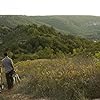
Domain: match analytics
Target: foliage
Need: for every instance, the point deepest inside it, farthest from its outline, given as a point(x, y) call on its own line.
point(44, 42)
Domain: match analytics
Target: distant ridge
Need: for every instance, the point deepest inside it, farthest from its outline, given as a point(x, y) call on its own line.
point(87, 26)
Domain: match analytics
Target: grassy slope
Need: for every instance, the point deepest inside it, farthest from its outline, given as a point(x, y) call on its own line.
point(14, 20)
point(71, 79)
point(81, 25)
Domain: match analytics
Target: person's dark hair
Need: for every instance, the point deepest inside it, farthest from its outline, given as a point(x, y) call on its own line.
point(5, 54)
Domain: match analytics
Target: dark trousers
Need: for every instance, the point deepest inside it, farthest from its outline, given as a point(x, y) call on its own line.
point(9, 79)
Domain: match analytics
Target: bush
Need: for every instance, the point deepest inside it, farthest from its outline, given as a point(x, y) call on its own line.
point(24, 57)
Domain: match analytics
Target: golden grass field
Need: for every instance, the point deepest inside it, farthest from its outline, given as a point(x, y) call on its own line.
point(76, 78)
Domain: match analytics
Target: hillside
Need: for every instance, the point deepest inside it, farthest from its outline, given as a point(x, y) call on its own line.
point(76, 78)
point(52, 65)
point(86, 26)
point(33, 41)
point(73, 24)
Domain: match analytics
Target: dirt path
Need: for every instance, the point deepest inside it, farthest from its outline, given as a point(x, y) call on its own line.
point(9, 96)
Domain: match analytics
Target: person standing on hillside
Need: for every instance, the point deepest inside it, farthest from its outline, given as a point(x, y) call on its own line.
point(7, 63)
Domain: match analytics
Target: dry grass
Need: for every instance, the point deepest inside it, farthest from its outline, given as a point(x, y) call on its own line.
point(59, 79)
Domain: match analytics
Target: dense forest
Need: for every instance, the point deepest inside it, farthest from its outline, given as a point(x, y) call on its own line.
point(33, 41)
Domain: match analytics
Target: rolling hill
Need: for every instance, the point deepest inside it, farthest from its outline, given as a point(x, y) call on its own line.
point(86, 26)
point(52, 65)
point(38, 34)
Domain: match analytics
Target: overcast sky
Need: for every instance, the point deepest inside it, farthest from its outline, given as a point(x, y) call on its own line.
point(50, 7)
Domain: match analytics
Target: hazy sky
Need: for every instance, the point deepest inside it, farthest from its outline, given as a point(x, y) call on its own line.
point(50, 7)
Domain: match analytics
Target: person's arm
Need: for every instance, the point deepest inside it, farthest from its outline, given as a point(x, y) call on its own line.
point(12, 64)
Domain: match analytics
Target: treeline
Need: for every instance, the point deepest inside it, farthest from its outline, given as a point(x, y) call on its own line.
point(32, 41)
